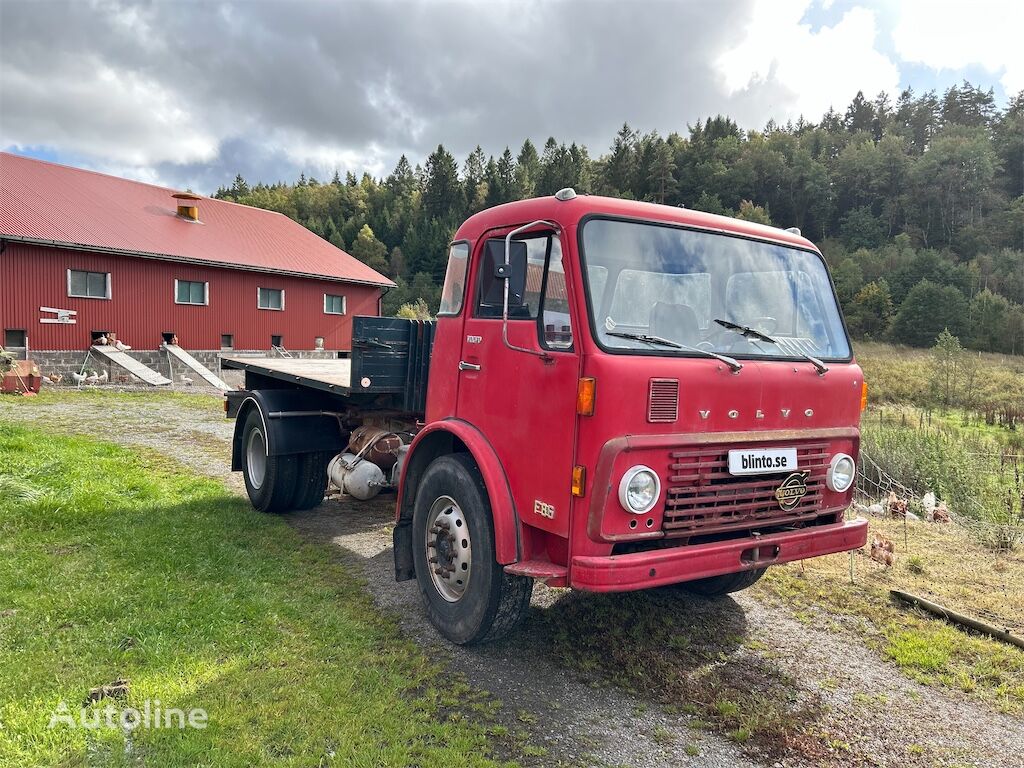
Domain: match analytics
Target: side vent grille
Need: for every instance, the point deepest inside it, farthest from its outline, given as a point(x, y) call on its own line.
point(663, 401)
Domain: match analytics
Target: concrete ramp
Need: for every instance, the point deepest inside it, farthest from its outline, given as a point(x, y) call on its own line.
point(130, 364)
point(190, 362)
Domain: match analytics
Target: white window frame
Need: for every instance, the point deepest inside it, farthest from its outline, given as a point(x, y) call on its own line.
point(87, 271)
point(269, 309)
point(206, 293)
point(344, 303)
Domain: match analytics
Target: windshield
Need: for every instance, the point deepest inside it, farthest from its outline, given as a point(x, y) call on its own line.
point(676, 284)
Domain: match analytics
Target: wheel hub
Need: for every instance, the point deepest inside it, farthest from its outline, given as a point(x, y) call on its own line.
point(449, 549)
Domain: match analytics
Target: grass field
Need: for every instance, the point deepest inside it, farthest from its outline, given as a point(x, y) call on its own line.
point(115, 565)
point(903, 375)
point(942, 563)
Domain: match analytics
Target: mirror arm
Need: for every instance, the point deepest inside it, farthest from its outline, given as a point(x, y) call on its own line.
point(504, 304)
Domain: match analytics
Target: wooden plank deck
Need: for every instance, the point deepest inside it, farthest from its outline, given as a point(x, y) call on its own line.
point(335, 373)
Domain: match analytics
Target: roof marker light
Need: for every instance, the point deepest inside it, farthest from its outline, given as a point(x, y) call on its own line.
point(566, 194)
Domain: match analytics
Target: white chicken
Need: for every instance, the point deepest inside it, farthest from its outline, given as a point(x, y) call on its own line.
point(186, 380)
point(101, 341)
point(79, 379)
point(104, 377)
point(92, 378)
point(120, 346)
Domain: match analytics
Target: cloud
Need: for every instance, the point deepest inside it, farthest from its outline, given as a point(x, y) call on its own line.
point(803, 71)
point(951, 36)
point(190, 93)
point(179, 89)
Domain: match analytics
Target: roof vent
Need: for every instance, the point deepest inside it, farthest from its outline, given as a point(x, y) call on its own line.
point(563, 195)
point(188, 205)
point(794, 230)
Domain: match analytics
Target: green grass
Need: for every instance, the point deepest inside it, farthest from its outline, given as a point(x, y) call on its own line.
point(62, 393)
point(897, 374)
point(115, 565)
point(942, 563)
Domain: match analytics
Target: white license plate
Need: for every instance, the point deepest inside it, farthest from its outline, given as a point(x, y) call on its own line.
point(759, 461)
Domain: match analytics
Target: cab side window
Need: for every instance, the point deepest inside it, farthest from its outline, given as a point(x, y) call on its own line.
point(536, 286)
point(526, 272)
point(556, 322)
point(454, 280)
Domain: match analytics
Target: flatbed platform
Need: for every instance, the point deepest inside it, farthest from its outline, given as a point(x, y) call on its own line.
point(332, 375)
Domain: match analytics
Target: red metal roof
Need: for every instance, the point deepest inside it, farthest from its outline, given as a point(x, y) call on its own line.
point(570, 213)
point(43, 202)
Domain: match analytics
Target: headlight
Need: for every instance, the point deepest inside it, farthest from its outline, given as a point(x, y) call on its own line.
point(841, 473)
point(639, 490)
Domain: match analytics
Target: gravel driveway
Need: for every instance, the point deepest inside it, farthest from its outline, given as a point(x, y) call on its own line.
point(872, 714)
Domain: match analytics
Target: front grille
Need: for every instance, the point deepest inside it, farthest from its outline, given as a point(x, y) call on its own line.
point(703, 498)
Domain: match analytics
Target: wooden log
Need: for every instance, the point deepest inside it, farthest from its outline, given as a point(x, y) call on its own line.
point(960, 619)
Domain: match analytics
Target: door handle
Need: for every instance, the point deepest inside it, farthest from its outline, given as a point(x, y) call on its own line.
point(464, 366)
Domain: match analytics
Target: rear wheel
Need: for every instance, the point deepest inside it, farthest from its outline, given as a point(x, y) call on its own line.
point(719, 586)
point(467, 595)
point(269, 480)
point(311, 479)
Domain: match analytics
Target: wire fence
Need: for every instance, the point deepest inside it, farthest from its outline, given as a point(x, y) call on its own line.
point(876, 486)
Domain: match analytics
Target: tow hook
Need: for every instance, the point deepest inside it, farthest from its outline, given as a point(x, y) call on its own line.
point(759, 555)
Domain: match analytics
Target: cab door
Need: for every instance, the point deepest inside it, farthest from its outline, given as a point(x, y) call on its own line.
point(524, 402)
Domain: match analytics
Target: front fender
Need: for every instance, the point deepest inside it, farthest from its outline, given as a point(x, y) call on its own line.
point(456, 436)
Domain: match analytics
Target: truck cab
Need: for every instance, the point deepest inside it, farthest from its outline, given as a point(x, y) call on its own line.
point(624, 396)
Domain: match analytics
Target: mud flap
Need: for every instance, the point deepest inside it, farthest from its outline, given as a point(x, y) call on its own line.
point(404, 568)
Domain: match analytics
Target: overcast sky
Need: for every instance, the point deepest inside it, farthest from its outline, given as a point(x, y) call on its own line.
point(189, 93)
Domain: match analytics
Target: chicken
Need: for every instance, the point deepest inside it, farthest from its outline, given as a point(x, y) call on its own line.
point(897, 507)
point(104, 377)
point(120, 346)
point(883, 550)
point(92, 378)
point(101, 341)
point(186, 380)
point(57, 378)
point(79, 378)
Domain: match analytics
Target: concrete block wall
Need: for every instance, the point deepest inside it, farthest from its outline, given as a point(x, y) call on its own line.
point(65, 361)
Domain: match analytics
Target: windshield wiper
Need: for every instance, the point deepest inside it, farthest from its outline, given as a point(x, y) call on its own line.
point(734, 365)
point(750, 333)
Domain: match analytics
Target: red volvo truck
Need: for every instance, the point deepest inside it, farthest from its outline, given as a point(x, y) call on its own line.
point(615, 396)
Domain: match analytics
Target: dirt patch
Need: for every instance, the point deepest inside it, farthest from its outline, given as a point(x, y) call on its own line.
point(622, 679)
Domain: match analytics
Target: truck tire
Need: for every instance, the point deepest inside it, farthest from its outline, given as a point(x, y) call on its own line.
point(719, 586)
point(467, 595)
point(311, 479)
point(269, 480)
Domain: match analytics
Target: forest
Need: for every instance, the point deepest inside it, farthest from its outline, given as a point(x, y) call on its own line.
point(917, 204)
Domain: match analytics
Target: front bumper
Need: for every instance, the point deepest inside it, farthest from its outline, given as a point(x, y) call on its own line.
point(655, 568)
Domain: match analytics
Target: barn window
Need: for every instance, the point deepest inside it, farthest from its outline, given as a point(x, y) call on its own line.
point(270, 298)
point(276, 341)
point(88, 285)
point(227, 341)
point(15, 338)
point(334, 305)
point(191, 292)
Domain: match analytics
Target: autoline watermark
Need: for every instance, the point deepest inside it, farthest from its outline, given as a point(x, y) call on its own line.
point(152, 715)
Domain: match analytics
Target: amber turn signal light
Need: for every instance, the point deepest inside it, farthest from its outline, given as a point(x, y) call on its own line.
point(864, 396)
point(579, 480)
point(585, 394)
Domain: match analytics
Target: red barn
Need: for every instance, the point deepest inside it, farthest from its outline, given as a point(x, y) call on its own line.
point(83, 253)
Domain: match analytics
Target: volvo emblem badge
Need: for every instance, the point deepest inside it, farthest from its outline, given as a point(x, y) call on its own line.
point(793, 489)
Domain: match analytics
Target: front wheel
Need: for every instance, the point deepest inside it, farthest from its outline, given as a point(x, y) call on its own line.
point(467, 595)
point(719, 586)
